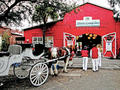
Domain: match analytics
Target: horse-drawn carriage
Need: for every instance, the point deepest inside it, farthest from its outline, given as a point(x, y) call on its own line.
point(28, 64)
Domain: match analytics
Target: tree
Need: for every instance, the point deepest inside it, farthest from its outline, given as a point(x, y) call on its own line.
point(14, 11)
point(116, 13)
point(50, 8)
point(5, 41)
point(114, 2)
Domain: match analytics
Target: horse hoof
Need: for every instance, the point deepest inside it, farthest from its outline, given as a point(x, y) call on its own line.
point(64, 71)
point(56, 74)
point(71, 65)
point(52, 74)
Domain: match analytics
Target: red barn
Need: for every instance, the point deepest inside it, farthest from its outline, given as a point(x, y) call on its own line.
point(86, 25)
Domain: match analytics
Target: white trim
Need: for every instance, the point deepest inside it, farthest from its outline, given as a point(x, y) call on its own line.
point(17, 34)
point(103, 37)
point(64, 37)
point(41, 42)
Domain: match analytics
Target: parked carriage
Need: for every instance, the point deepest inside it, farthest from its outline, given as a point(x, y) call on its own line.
point(26, 63)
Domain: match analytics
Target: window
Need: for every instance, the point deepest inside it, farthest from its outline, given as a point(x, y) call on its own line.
point(48, 41)
point(39, 40)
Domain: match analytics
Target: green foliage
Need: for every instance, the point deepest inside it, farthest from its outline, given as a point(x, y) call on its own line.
point(14, 11)
point(52, 9)
point(41, 13)
point(114, 2)
point(5, 42)
point(116, 13)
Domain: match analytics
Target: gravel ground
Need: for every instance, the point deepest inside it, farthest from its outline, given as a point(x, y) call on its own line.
point(75, 79)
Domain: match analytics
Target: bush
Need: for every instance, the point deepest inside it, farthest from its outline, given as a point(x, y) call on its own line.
point(5, 42)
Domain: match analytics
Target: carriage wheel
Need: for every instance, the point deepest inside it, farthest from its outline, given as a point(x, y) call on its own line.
point(21, 70)
point(39, 74)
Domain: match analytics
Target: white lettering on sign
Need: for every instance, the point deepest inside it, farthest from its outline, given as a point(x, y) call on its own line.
point(87, 22)
point(82, 23)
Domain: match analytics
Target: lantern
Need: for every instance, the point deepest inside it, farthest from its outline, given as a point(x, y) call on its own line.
point(90, 35)
point(77, 37)
point(94, 37)
point(87, 34)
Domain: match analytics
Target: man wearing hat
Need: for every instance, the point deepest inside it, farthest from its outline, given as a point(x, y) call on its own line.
point(84, 53)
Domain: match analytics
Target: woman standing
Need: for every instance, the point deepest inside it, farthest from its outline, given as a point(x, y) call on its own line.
point(100, 54)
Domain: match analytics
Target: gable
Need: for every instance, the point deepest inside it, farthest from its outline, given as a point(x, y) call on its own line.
point(94, 4)
point(88, 10)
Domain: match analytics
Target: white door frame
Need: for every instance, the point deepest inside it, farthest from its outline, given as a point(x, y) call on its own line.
point(64, 37)
point(114, 38)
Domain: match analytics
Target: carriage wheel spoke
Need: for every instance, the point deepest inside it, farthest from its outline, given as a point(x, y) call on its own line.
point(36, 81)
point(35, 68)
point(44, 70)
point(42, 78)
point(44, 75)
point(33, 77)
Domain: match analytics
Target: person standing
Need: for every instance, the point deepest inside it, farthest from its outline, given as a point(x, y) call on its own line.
point(100, 54)
point(94, 53)
point(84, 53)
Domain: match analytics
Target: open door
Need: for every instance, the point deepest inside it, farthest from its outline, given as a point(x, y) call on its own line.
point(69, 39)
point(109, 45)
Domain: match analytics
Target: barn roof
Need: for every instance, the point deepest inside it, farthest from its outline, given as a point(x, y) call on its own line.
point(41, 26)
point(102, 6)
point(53, 22)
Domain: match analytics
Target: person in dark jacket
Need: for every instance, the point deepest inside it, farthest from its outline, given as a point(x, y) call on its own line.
point(84, 53)
point(94, 53)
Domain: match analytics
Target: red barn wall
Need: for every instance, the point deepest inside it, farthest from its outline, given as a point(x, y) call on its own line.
point(107, 23)
point(68, 25)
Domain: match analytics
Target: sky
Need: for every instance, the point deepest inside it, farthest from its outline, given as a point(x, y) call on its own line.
point(27, 25)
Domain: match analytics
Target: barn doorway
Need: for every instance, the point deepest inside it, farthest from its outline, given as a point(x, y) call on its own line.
point(88, 39)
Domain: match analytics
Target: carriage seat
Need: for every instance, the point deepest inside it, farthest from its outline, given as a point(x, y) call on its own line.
point(15, 49)
point(4, 54)
point(25, 45)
